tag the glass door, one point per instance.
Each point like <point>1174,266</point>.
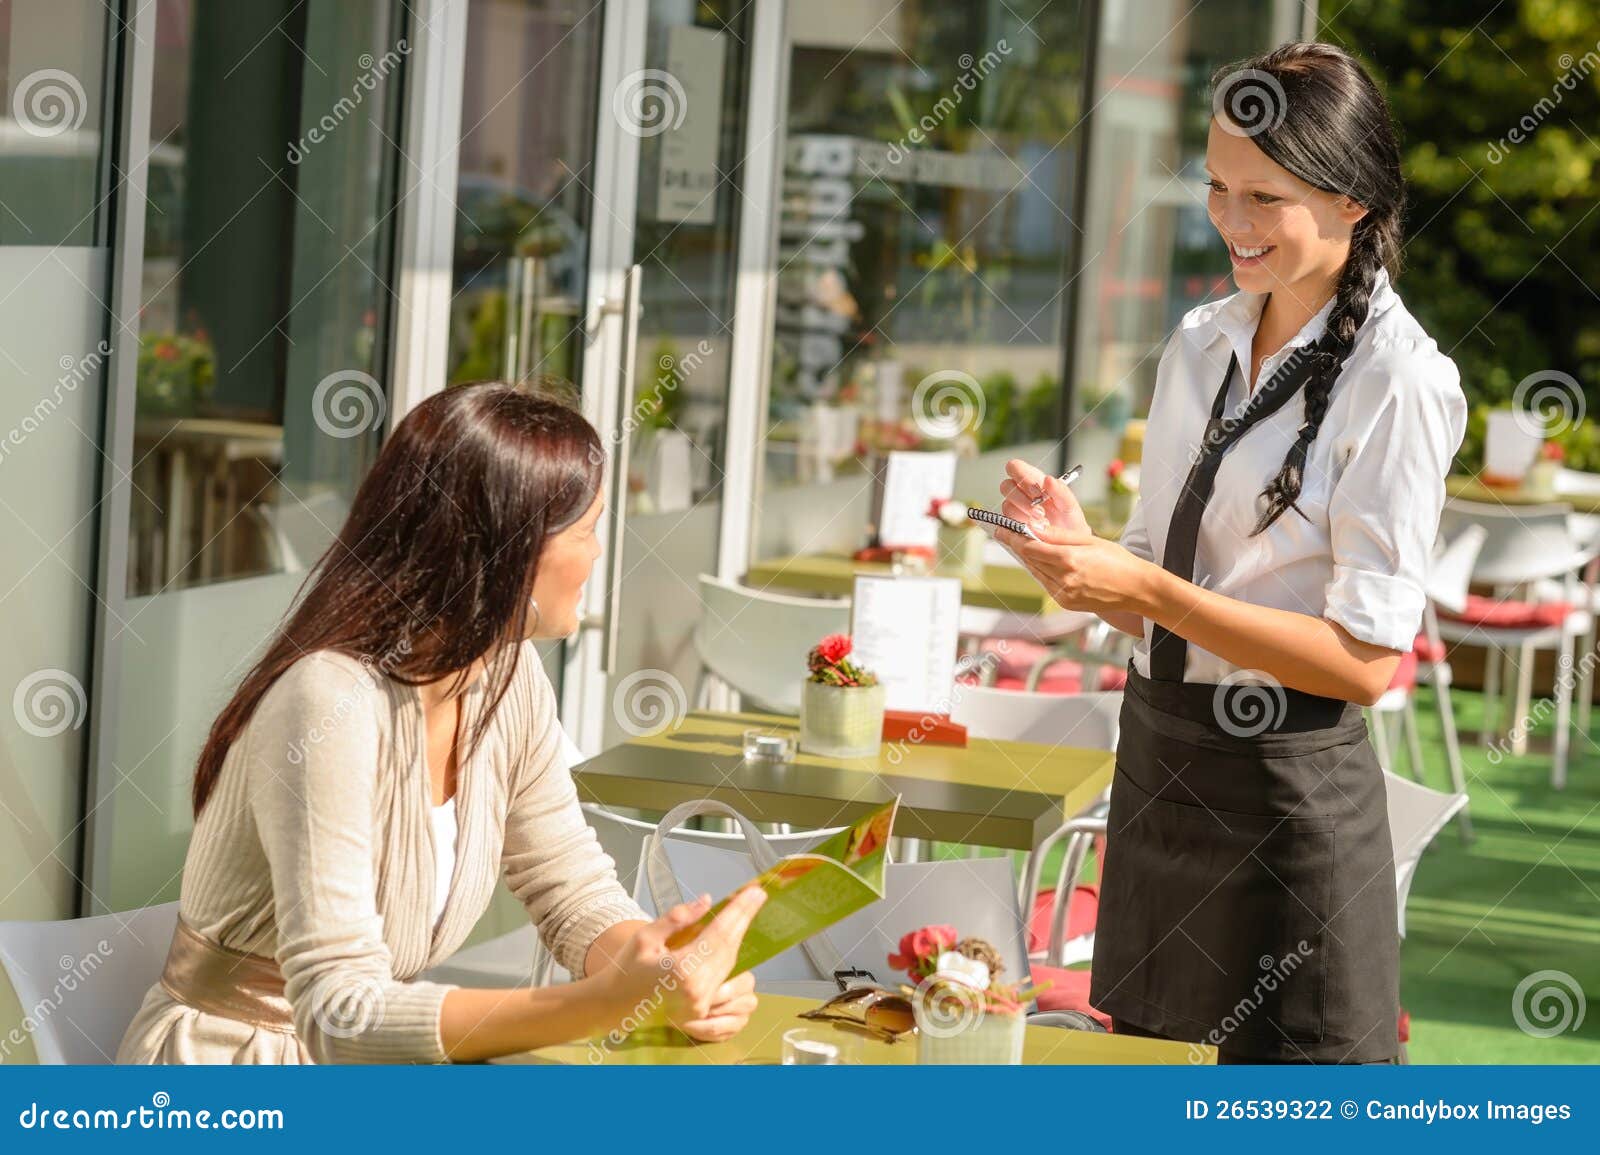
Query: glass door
<point>252,306</point>
<point>672,136</point>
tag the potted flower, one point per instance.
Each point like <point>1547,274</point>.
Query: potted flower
<point>964,1013</point>
<point>960,539</point>
<point>841,704</point>
<point>1540,481</point>
<point>1122,490</point>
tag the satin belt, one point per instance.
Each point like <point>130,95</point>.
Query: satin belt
<point>211,978</point>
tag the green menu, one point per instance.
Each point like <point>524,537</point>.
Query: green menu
<point>807,893</point>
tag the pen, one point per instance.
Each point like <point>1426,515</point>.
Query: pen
<point>1067,478</point>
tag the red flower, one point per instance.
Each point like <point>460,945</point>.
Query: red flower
<point>1553,451</point>
<point>923,946</point>
<point>1115,468</point>
<point>166,351</point>
<point>935,505</point>
<point>835,647</point>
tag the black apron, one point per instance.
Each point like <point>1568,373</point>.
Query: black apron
<point>1248,893</point>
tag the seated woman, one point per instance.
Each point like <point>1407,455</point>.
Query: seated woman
<point>327,868</point>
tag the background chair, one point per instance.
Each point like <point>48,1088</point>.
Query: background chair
<point>1521,547</point>
<point>1416,815</point>
<point>519,958</point>
<point>112,961</point>
<point>1088,720</point>
<point>756,642</point>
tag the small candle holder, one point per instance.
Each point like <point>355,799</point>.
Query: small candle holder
<point>769,747</point>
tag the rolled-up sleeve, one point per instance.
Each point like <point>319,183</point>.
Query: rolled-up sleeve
<point>553,862</point>
<point>1408,419</point>
<point>312,759</point>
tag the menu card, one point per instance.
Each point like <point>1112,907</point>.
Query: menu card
<point>906,630</point>
<point>910,481</point>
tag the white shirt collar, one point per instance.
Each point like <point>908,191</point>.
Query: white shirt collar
<point>1237,317</point>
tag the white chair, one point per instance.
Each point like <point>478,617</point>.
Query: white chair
<point>976,896</point>
<point>756,642</point>
<point>1416,815</point>
<point>80,981</point>
<point>1522,547</point>
<point>1088,720</point>
<point>519,958</point>
<point>1449,576</point>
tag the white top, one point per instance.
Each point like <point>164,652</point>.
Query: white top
<point>443,819</point>
<point>1374,479</point>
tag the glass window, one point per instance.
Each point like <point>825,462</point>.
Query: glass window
<point>1150,253</point>
<point>265,292</point>
<point>54,349</point>
<point>927,216</point>
<point>52,61</point>
<point>525,188</point>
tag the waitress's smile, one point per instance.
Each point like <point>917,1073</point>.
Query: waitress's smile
<point>1246,256</point>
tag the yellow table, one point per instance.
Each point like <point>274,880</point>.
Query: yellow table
<point>987,793</point>
<point>1471,489</point>
<point>1002,587</point>
<point>762,1042</point>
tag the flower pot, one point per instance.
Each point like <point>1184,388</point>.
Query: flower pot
<point>967,1036</point>
<point>961,550</point>
<point>841,721</point>
<point>1119,506</point>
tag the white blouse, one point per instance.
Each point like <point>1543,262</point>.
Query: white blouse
<point>445,832</point>
<point>1374,478</point>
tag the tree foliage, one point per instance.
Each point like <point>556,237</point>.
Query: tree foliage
<point>1498,105</point>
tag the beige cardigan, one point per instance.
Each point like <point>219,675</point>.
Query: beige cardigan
<point>315,849</point>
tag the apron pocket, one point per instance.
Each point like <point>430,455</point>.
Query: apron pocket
<point>1216,917</point>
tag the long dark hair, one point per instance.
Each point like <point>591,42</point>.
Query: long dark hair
<point>1315,111</point>
<point>434,566</point>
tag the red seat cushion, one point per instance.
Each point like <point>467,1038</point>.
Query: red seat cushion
<point>1068,991</point>
<point>1509,614</point>
<point>1082,908</point>
<point>1426,651</point>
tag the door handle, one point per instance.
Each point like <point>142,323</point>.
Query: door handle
<point>627,357</point>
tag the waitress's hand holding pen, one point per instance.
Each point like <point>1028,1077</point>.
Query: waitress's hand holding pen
<point>1077,569</point>
<point>1035,498</point>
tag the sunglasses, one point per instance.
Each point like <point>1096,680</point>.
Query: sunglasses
<point>875,1011</point>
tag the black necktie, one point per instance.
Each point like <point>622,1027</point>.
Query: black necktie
<point>1167,650</point>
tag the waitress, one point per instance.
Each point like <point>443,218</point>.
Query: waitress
<point>1295,454</point>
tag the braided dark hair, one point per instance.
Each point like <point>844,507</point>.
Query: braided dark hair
<point>1314,110</point>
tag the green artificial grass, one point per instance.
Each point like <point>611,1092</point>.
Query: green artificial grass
<point>1522,898</point>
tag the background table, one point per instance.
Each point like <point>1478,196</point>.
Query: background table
<point>987,793</point>
<point>1002,587</point>
<point>762,1042</point>
<point>1471,489</point>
